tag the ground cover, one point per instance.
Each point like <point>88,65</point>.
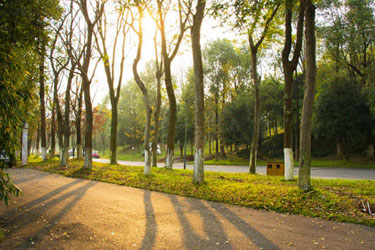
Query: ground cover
<point>336,200</point>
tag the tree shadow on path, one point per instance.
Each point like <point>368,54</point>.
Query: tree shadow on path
<point>215,237</point>
<point>151,226</point>
<point>29,217</point>
<point>251,233</point>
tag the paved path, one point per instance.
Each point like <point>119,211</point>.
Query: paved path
<point>321,172</point>
<point>57,212</point>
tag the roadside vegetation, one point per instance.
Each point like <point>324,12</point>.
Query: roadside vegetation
<point>336,200</point>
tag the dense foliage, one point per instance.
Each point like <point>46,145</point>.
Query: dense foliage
<point>21,28</point>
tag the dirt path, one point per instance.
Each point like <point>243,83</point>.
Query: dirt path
<point>64,213</point>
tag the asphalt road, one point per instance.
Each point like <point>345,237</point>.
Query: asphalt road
<point>320,172</point>
<point>57,212</point>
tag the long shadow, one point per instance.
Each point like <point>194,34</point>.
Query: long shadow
<point>251,233</point>
<point>212,226</point>
<point>24,219</point>
<point>45,197</point>
<point>150,234</point>
<point>78,195</point>
<point>191,239</point>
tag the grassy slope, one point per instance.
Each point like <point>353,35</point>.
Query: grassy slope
<point>331,199</point>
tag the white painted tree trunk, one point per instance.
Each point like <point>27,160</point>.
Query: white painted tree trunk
<point>147,169</point>
<point>169,159</point>
<point>88,160</point>
<point>24,143</point>
<point>289,164</point>
<point>44,154</point>
<point>198,172</point>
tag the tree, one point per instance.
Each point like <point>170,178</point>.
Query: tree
<point>349,41</point>
<point>84,67</point>
<point>158,74</point>
<point>336,119</point>
<point>220,58</point>
<point>109,67</point>
<point>271,92</point>
<point>289,66</point>
<point>236,118</point>
<point>142,87</point>
<point>162,8</point>
<point>42,52</point>
<point>58,64</point>
<point>198,173</point>
<point>256,18</point>
<point>20,28</point>
<point>308,100</point>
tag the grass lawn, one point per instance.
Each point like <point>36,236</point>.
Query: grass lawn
<point>336,200</point>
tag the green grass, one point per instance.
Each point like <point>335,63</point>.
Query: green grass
<point>330,199</point>
<point>318,162</point>
<point>353,162</point>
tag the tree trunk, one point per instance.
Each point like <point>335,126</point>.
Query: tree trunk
<point>255,139</point>
<point>339,147</point>
<point>147,169</point>
<point>198,172</point>
<point>53,130</point>
<point>78,126</point>
<point>181,144</point>
<point>167,59</point>
<point>88,124</point>
<point>288,122</point>
<point>172,116</point>
<point>216,128</point>
<point>113,140</point>
<point>304,181</point>
<point>24,144</point>
<point>370,145</point>
<point>209,140</point>
<point>84,68</point>
<point>157,116</point>
<point>66,123</point>
<point>37,143</point>
<point>42,103</point>
<point>289,66</point>
<point>296,144</point>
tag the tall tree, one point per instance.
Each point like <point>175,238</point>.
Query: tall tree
<point>58,64</point>
<point>220,59</point>
<point>84,68</point>
<point>163,7</point>
<point>198,173</point>
<point>42,51</point>
<point>308,100</point>
<point>142,87</point>
<point>257,19</point>
<point>158,74</point>
<point>20,28</point>
<point>109,63</point>
<point>289,66</point>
